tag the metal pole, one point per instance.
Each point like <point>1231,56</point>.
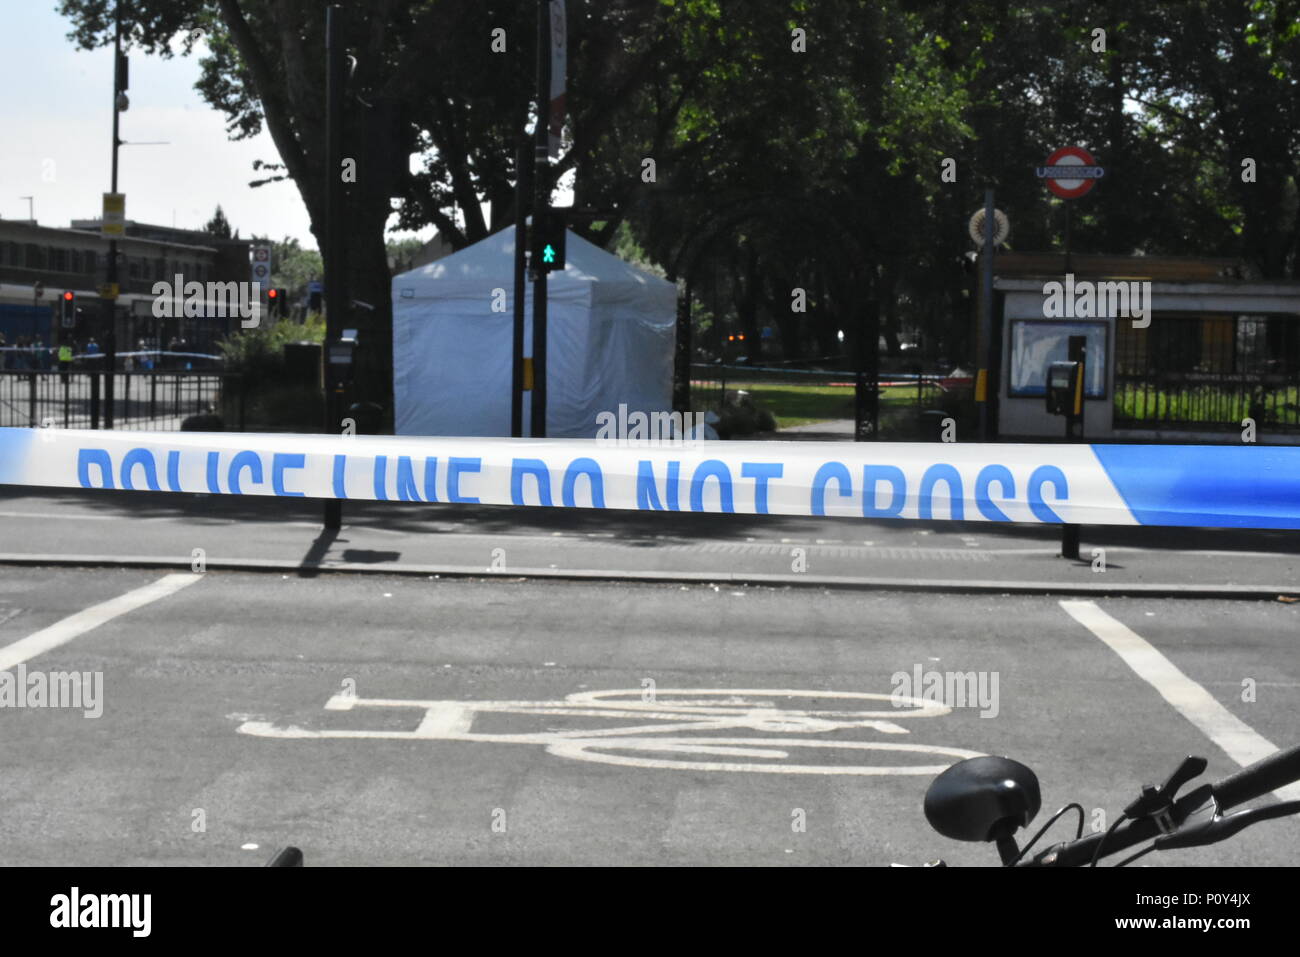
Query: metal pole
<point>110,312</point>
<point>1078,351</point>
<point>522,184</point>
<point>682,350</point>
<point>335,268</point>
<point>983,383</point>
<point>541,200</point>
<point>866,374</point>
<point>1069,217</point>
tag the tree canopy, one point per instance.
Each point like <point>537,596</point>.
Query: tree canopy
<point>796,144</point>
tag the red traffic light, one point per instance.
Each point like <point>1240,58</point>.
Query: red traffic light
<point>67,296</point>
<point>272,293</point>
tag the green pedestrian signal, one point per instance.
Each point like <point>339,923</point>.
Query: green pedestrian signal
<point>549,241</point>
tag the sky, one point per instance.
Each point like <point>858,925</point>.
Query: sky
<point>56,117</point>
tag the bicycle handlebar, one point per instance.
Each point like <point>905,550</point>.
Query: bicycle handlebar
<point>1269,774</point>
<point>1265,775</point>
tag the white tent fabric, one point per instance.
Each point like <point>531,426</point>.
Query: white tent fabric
<point>610,335</point>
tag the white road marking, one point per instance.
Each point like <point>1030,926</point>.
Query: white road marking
<point>65,516</point>
<point>654,745</point>
<point>61,632</point>
<point>1239,740</point>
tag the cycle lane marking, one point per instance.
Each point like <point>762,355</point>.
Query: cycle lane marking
<point>453,720</point>
<point>88,619</point>
<point>1237,739</point>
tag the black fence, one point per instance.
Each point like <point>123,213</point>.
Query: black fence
<point>148,400</point>
<point>1208,373</point>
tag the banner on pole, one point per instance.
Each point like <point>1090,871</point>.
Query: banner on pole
<point>1209,486</point>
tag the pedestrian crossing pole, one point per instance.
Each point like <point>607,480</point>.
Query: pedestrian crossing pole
<point>541,202</point>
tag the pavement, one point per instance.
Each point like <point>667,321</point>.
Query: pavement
<point>165,530</point>
<point>385,719</point>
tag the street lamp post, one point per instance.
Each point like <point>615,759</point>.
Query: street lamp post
<point>110,337</point>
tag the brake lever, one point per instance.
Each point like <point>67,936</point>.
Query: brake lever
<point>1158,802</point>
<point>1206,826</point>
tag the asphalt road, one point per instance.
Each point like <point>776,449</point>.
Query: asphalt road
<point>405,720</point>
<point>49,526</point>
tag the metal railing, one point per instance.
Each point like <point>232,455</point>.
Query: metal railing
<point>1208,374</point>
<point>142,400</point>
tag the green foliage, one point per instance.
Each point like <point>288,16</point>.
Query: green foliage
<point>258,354</point>
<point>401,253</point>
<point>779,169</point>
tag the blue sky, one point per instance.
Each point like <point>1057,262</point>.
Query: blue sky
<point>56,112</point>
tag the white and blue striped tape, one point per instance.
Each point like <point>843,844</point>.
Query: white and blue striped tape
<point>1210,486</point>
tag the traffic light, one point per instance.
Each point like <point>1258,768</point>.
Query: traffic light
<point>68,309</point>
<point>548,241</point>
<point>276,302</point>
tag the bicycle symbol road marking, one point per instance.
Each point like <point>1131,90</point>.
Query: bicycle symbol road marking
<point>677,730</point>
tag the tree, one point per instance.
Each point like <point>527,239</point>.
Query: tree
<point>218,225</point>
<point>265,69</point>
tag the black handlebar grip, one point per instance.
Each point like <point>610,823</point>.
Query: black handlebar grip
<point>1268,774</point>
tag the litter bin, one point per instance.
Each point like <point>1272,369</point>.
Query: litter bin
<point>368,416</point>
<point>932,425</point>
<point>302,363</point>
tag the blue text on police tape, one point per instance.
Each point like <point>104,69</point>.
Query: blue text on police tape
<point>881,490</point>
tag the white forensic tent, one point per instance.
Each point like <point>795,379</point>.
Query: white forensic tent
<point>610,335</point>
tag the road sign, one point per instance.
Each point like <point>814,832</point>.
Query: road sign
<point>1070,172</point>
<point>1001,227</point>
<point>113,223</point>
<point>261,271</point>
<point>38,289</point>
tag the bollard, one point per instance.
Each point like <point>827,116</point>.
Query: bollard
<point>1070,541</point>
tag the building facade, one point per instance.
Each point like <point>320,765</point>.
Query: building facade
<point>39,263</point>
<point>1188,353</point>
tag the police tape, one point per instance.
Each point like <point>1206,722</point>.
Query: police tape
<point>1208,486</point>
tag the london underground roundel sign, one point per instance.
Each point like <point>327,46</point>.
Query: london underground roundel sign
<point>1070,172</point>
